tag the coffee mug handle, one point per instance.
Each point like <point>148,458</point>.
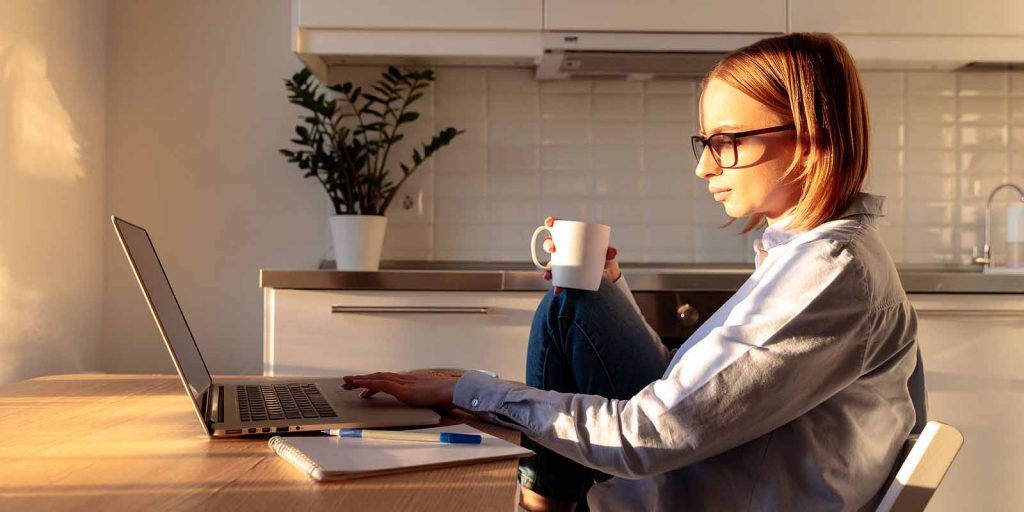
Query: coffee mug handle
<point>533,248</point>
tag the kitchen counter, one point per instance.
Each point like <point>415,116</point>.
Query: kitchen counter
<point>515,276</point>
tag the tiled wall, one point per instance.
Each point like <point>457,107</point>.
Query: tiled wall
<point>617,152</point>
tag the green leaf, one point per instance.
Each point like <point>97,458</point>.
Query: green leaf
<point>385,89</point>
<point>408,117</point>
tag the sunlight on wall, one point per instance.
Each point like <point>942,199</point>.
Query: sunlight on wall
<point>41,172</point>
<point>42,141</point>
<point>19,323</point>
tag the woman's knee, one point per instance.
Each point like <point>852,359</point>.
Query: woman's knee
<point>556,313</point>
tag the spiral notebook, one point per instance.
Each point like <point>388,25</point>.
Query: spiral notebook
<point>338,458</point>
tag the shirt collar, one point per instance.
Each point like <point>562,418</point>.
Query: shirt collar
<point>861,204</point>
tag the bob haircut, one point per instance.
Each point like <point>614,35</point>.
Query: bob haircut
<point>810,79</point>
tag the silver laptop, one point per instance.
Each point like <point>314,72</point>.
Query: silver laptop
<point>256,405</point>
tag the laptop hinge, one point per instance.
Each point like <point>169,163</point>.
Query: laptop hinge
<point>214,405</point>
<point>218,405</point>
<point>205,405</point>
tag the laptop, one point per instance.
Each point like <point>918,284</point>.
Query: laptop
<point>252,405</point>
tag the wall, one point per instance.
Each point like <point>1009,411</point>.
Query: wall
<point>198,110</point>
<point>52,114</point>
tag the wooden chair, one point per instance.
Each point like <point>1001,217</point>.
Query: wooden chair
<point>927,460</point>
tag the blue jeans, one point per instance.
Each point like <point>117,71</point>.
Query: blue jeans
<point>585,342</point>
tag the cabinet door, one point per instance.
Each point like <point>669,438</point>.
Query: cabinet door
<point>412,14</point>
<point>768,16</point>
<point>909,17</point>
<point>973,349</point>
<point>307,334</point>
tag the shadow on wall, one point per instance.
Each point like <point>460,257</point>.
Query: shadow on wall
<point>38,150</point>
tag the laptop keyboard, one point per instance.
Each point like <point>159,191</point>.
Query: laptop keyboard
<point>282,401</point>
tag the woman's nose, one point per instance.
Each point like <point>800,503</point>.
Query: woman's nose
<point>707,166</point>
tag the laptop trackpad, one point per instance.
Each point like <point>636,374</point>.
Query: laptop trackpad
<point>381,410</point>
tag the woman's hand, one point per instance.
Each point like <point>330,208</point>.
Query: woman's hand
<point>417,390</point>
<point>611,265</point>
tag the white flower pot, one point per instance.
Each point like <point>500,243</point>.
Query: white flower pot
<point>358,240</point>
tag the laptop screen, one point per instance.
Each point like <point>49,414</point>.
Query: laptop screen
<point>165,308</point>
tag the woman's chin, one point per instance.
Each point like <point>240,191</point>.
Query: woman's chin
<point>734,211</point>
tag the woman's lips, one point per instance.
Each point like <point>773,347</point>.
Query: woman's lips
<point>720,193</point>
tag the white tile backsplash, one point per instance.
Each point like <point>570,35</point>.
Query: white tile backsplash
<point>930,109</point>
<point>558,132</point>
<point>565,106</point>
<point>618,133</point>
<point>617,151</point>
<point>617,106</point>
<point>513,132</point>
<point>462,106</point>
<point>930,84</point>
<point>983,110</point>
<point>1017,110</point>
<point>928,161</point>
<point>461,80</point>
<point>982,84</point>
<point>565,158</point>
<point>617,183</point>
<point>1017,83</point>
<point>671,107</point>
<point>513,106</point>
<point>930,136</point>
<point>881,84</point>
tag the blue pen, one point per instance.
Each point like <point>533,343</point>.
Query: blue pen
<point>398,435</point>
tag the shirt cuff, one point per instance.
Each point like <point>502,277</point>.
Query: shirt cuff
<point>478,392</point>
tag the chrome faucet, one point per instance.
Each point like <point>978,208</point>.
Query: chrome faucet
<point>985,260</point>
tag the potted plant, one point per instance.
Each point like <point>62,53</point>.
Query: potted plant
<point>344,142</point>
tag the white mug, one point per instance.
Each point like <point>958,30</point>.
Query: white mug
<point>580,253</point>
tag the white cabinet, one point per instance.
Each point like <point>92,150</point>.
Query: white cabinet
<point>909,17</point>
<point>768,16</point>
<point>411,14</point>
<point>335,332</point>
<point>973,349</point>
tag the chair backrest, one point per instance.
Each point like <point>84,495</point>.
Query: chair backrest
<point>923,469</point>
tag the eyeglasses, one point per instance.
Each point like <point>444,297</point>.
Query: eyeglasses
<point>723,145</point>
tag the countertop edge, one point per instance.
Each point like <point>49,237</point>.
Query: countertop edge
<point>688,280</point>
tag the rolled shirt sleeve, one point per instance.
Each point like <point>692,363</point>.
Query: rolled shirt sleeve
<point>796,336</point>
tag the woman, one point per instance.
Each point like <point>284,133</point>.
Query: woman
<point>794,395</point>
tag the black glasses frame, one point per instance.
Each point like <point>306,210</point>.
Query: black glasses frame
<point>699,143</point>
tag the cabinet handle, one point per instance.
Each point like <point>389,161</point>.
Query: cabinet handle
<point>479,310</point>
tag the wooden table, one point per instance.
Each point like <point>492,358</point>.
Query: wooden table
<point>133,442</point>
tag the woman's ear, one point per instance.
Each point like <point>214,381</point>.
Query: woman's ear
<point>805,144</point>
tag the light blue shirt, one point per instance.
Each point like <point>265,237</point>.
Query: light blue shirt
<point>792,396</point>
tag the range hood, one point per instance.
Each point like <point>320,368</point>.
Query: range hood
<point>634,56</point>
<point>554,55</point>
